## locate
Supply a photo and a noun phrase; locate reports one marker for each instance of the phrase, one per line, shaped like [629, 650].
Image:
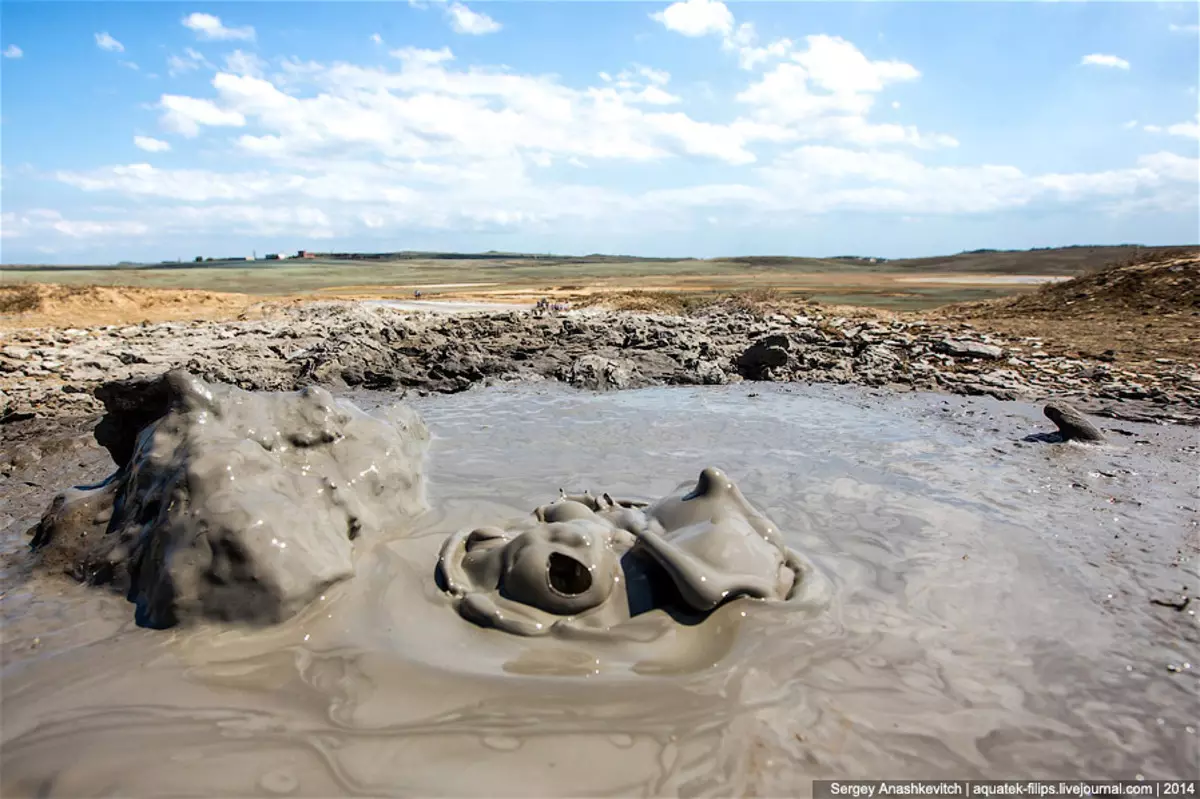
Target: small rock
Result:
[1072, 424]
[15, 352]
[766, 353]
[969, 349]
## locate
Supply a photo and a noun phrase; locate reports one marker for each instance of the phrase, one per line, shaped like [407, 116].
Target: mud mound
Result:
[233, 505]
[1150, 284]
[52, 305]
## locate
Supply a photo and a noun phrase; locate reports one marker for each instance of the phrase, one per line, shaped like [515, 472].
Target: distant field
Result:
[901, 284]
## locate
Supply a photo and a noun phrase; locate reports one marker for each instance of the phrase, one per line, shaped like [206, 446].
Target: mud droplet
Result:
[278, 782]
[502, 743]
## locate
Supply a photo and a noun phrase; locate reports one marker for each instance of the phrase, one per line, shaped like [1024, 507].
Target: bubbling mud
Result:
[990, 618]
[586, 565]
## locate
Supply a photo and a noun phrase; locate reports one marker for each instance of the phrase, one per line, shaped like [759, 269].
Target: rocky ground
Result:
[53, 372]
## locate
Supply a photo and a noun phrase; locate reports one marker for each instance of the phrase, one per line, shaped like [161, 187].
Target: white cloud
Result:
[1130, 125]
[1183, 28]
[820, 179]
[827, 90]
[151, 145]
[1104, 60]
[209, 27]
[12, 51]
[696, 17]
[40, 221]
[474, 23]
[376, 38]
[656, 76]
[895, 104]
[242, 63]
[744, 41]
[1189, 129]
[425, 143]
[106, 42]
[129, 65]
[185, 115]
[641, 85]
[190, 60]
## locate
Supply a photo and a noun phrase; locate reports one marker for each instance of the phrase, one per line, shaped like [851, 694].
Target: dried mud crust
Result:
[50, 372]
[1120, 343]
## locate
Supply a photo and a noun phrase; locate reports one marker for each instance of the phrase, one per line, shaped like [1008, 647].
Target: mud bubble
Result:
[584, 565]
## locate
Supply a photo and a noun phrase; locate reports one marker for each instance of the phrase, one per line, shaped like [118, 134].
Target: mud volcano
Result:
[584, 565]
[233, 505]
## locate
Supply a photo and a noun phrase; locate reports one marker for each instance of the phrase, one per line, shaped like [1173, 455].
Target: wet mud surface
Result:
[996, 610]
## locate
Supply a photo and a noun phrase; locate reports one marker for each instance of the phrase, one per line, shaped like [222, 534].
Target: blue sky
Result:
[153, 130]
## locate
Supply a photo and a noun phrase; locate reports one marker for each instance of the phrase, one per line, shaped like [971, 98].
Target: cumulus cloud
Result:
[696, 17]
[744, 41]
[711, 17]
[12, 51]
[1104, 60]
[1183, 28]
[106, 42]
[472, 23]
[151, 145]
[827, 90]
[209, 27]
[186, 115]
[376, 38]
[427, 143]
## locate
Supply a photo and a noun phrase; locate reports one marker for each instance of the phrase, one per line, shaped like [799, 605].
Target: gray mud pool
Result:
[990, 615]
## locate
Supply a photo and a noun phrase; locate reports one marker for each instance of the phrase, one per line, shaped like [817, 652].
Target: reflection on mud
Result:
[969, 633]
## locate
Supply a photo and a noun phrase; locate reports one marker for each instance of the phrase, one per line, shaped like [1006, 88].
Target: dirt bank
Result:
[49, 305]
[1131, 314]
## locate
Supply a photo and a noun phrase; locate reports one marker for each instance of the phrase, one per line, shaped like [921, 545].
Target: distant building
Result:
[305, 254]
[271, 256]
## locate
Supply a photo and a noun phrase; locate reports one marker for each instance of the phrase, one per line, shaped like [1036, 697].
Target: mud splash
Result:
[990, 618]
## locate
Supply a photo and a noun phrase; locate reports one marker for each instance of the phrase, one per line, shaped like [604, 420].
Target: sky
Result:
[150, 131]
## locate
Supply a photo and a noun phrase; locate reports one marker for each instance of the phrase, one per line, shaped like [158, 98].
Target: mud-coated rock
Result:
[1072, 425]
[236, 505]
[769, 352]
[970, 349]
[597, 373]
[131, 405]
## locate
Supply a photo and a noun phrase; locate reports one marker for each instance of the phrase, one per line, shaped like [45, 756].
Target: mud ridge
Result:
[53, 373]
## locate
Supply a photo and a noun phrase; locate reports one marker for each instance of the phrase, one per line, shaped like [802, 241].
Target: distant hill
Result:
[1153, 282]
[1076, 260]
